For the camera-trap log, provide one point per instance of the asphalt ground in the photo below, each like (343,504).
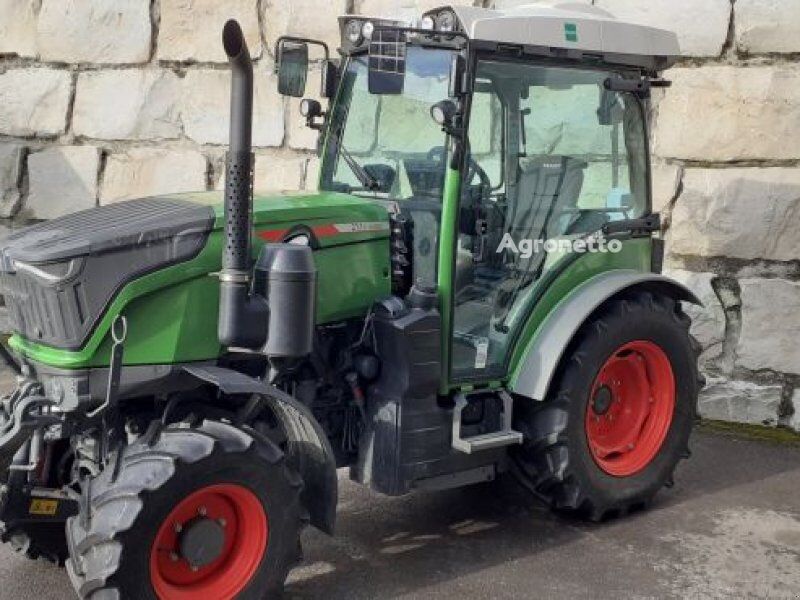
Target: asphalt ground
(729,528)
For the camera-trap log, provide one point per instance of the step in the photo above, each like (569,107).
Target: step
(488,441)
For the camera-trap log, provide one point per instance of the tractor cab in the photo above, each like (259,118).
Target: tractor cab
(512,144)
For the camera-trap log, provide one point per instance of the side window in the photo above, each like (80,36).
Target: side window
(603,130)
(486,133)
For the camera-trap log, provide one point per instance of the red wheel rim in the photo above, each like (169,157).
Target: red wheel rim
(630,408)
(246,531)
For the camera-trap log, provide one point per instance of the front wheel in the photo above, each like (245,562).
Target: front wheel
(206,512)
(620,412)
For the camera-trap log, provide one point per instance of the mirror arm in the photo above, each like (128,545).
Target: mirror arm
(312,123)
(299,40)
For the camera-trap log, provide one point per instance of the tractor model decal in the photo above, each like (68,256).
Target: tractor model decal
(329,230)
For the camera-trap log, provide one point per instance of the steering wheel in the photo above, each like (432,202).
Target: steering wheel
(439,154)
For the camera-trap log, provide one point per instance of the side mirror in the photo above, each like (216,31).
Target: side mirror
(292,68)
(387,61)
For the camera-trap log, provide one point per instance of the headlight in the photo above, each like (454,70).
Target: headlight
(446,21)
(353,32)
(367,30)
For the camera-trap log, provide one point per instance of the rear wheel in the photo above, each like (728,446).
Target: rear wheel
(620,411)
(209,512)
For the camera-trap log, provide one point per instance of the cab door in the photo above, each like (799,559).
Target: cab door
(553,157)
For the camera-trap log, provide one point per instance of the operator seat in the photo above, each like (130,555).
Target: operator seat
(548,187)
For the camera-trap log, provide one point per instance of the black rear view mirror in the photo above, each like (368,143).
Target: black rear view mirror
(387,61)
(292,60)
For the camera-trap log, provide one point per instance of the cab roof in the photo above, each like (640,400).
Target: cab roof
(569,26)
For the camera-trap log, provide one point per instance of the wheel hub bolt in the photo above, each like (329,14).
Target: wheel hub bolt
(222,522)
(202,511)
(178,527)
(173,556)
(602,400)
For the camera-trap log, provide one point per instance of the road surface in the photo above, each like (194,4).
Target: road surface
(729,528)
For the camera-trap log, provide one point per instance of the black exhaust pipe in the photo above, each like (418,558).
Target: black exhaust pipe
(242,316)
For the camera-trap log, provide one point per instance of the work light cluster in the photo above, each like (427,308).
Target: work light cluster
(357,31)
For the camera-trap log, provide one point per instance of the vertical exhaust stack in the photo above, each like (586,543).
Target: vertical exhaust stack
(242,316)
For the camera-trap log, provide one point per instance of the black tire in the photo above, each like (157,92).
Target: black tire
(110,544)
(555,461)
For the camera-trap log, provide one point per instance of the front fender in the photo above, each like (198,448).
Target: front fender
(308,450)
(535,371)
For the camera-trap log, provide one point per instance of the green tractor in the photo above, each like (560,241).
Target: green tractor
(474,290)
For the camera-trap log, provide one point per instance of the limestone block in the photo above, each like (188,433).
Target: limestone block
(770,326)
(12,157)
(191,30)
(127,105)
(63,180)
(407,9)
(740,402)
(726,113)
(794,420)
(313,173)
(94,31)
(307,18)
(666,181)
(746,213)
(767,26)
(18,28)
(143,172)
(205,107)
(279,171)
(34,102)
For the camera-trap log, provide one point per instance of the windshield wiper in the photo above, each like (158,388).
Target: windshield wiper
(367,180)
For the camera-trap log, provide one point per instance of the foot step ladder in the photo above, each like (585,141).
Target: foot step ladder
(506,436)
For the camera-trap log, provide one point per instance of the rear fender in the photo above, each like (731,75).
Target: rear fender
(533,375)
(308,450)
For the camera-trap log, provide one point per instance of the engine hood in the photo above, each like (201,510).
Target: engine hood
(59,277)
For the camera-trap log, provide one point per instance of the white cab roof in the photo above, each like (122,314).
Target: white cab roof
(570,25)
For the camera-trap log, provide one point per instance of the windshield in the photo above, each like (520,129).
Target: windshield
(390,143)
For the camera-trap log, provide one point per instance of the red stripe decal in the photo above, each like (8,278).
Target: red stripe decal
(273,235)
(276,235)
(325,230)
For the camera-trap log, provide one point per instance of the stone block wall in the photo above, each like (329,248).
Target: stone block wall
(104,101)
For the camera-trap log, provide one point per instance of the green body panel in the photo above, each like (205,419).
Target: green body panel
(635,255)
(447,248)
(172,312)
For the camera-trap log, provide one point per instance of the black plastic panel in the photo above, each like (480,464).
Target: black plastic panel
(408,437)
